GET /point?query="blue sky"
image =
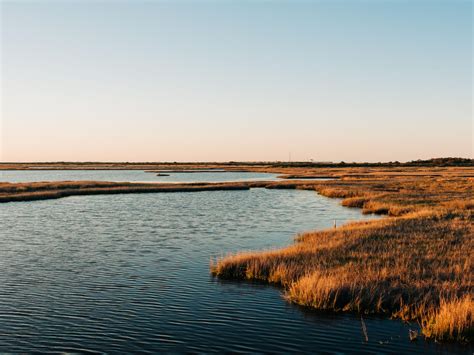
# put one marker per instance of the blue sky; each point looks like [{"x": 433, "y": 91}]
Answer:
[{"x": 236, "y": 80}]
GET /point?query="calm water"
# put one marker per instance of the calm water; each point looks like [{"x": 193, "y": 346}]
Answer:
[
  {"x": 129, "y": 273},
  {"x": 126, "y": 175}
]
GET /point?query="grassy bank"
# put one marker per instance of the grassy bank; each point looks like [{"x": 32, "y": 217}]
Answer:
[
  {"x": 15, "y": 192},
  {"x": 31, "y": 191},
  {"x": 415, "y": 265}
]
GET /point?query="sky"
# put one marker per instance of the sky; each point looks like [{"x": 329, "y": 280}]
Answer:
[{"x": 236, "y": 80}]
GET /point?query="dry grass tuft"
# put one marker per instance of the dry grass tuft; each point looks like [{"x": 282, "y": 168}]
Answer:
[{"x": 453, "y": 320}]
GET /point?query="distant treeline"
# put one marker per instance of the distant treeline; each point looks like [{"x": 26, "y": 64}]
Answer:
[{"x": 435, "y": 162}]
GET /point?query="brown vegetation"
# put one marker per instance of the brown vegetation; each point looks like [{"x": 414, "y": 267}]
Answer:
[
  {"x": 29, "y": 191},
  {"x": 13, "y": 192},
  {"x": 415, "y": 265}
]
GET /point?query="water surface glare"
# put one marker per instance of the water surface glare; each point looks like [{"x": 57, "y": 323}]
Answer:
[{"x": 130, "y": 273}]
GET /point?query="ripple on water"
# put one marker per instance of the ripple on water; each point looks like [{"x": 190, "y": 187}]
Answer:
[{"x": 129, "y": 273}]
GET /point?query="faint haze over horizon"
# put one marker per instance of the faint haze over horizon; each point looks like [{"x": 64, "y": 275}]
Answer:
[{"x": 242, "y": 80}]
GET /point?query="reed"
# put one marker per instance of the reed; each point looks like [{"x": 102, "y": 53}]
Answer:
[
  {"x": 415, "y": 265},
  {"x": 453, "y": 320}
]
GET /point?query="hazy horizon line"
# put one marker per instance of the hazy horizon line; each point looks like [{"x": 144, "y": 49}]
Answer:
[{"x": 224, "y": 161}]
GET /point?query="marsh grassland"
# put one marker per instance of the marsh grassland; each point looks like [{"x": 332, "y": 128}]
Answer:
[
  {"x": 30, "y": 191},
  {"x": 414, "y": 264}
]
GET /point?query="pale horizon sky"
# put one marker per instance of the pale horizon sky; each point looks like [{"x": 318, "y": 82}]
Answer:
[{"x": 359, "y": 80}]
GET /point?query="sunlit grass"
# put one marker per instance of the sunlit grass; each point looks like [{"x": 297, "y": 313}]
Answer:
[
  {"x": 415, "y": 265},
  {"x": 453, "y": 320}
]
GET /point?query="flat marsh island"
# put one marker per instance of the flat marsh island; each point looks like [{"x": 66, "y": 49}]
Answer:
[{"x": 415, "y": 264}]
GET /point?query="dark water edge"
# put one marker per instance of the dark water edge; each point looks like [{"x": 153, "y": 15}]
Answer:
[
  {"x": 343, "y": 331},
  {"x": 130, "y": 273}
]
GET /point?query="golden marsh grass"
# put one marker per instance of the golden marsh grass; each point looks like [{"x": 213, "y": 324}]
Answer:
[{"x": 415, "y": 265}]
